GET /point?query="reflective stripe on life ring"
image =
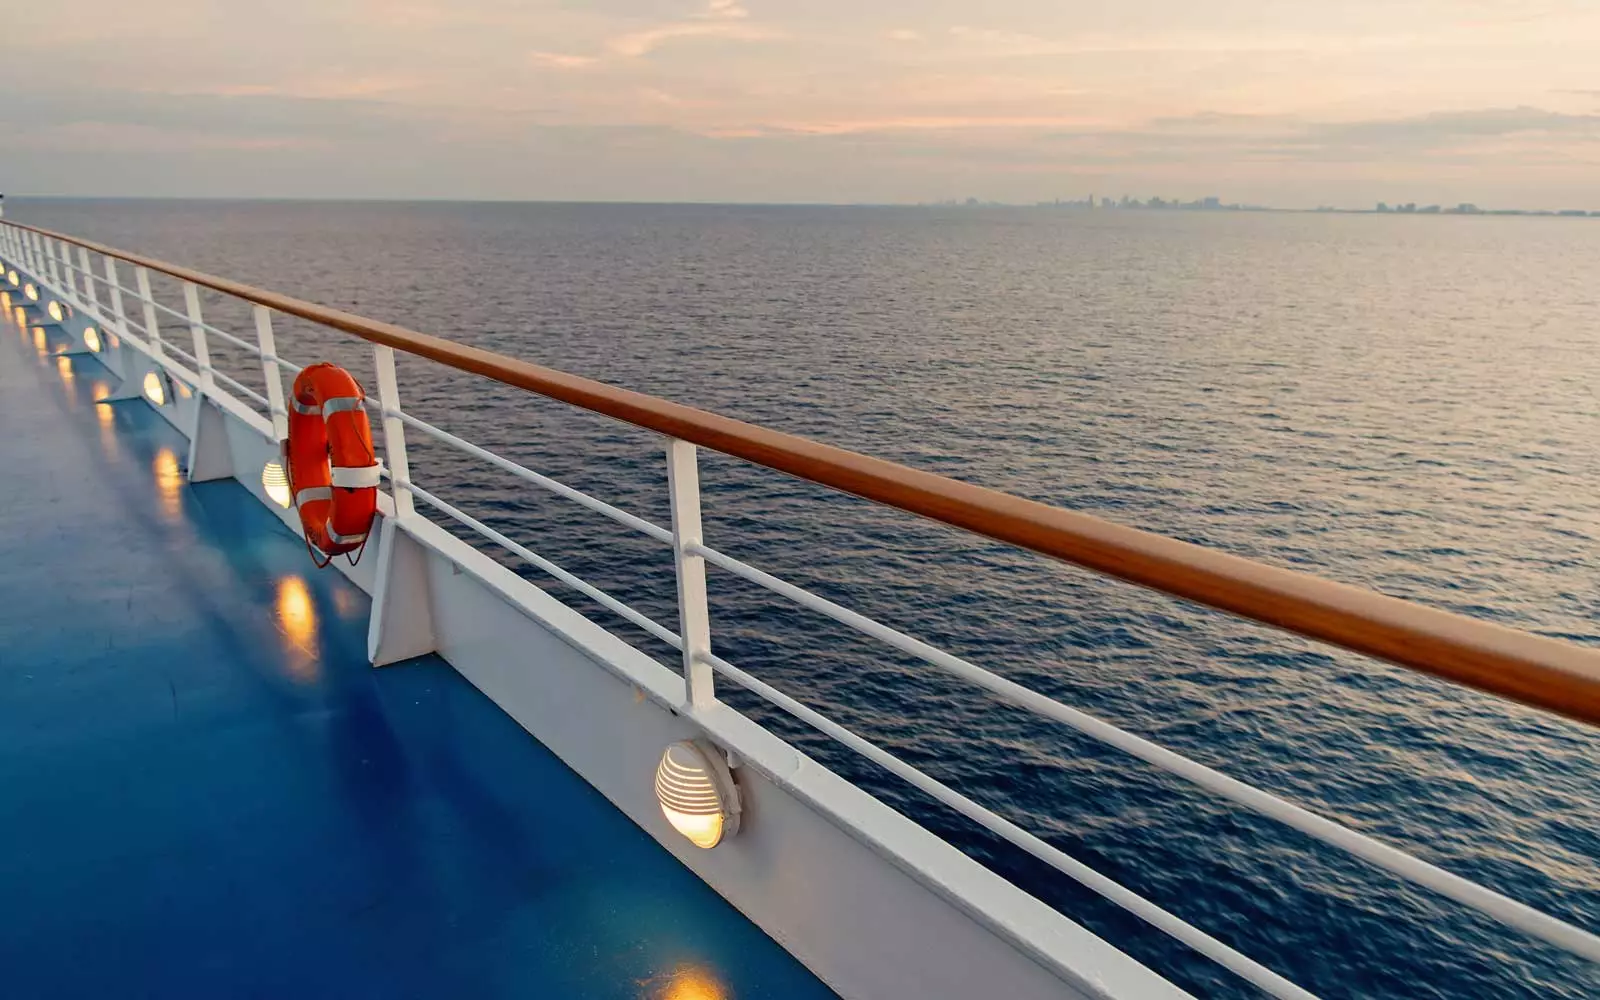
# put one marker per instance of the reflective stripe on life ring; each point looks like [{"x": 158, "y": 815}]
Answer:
[{"x": 333, "y": 471}]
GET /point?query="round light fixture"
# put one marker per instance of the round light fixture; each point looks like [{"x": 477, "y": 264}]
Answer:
[
  {"x": 55, "y": 311},
  {"x": 275, "y": 483},
  {"x": 11, "y": 276},
  {"x": 697, "y": 793},
  {"x": 31, "y": 292},
  {"x": 91, "y": 339},
  {"x": 154, "y": 391}
]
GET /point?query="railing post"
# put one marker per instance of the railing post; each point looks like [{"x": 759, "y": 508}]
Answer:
[
  {"x": 694, "y": 614},
  {"x": 152, "y": 328},
  {"x": 32, "y": 256},
  {"x": 50, "y": 262},
  {"x": 202, "y": 354},
  {"x": 74, "y": 291},
  {"x": 119, "y": 316},
  {"x": 92, "y": 292},
  {"x": 272, "y": 372},
  {"x": 394, "y": 433},
  {"x": 62, "y": 260}
]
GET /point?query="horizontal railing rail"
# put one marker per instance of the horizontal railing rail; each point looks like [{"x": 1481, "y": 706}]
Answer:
[{"x": 1545, "y": 672}]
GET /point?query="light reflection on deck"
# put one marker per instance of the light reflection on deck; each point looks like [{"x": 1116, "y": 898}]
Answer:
[
  {"x": 297, "y": 619},
  {"x": 169, "y": 481},
  {"x": 686, "y": 982}
]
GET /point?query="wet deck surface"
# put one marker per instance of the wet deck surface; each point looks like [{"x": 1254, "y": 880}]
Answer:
[{"x": 206, "y": 792}]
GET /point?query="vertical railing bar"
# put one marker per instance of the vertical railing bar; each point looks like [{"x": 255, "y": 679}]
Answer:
[
  {"x": 48, "y": 274},
  {"x": 394, "y": 433},
  {"x": 277, "y": 411},
  {"x": 152, "y": 329},
  {"x": 89, "y": 288},
  {"x": 117, "y": 312},
  {"x": 69, "y": 278},
  {"x": 694, "y": 613},
  {"x": 50, "y": 262},
  {"x": 202, "y": 352}
]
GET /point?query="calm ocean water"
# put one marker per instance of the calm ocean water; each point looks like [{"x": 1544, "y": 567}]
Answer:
[{"x": 1408, "y": 404}]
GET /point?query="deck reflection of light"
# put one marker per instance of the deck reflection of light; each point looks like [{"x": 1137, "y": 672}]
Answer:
[
  {"x": 64, "y": 366},
  {"x": 39, "y": 340},
  {"x": 169, "y": 480},
  {"x": 687, "y": 982},
  {"x": 298, "y": 617},
  {"x": 106, "y": 418}
]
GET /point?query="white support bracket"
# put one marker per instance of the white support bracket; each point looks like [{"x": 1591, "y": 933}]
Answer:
[
  {"x": 210, "y": 456},
  {"x": 401, "y": 626}
]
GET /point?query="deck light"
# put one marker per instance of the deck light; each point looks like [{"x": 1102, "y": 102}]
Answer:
[
  {"x": 91, "y": 339},
  {"x": 55, "y": 311},
  {"x": 275, "y": 483},
  {"x": 11, "y": 276},
  {"x": 154, "y": 390},
  {"x": 697, "y": 793},
  {"x": 31, "y": 292}
]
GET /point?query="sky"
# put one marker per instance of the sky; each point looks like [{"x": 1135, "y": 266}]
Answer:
[{"x": 1285, "y": 102}]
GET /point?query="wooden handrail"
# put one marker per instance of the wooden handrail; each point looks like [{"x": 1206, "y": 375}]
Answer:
[{"x": 1551, "y": 674}]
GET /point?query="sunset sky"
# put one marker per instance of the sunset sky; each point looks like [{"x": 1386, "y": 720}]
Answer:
[{"x": 1291, "y": 102}]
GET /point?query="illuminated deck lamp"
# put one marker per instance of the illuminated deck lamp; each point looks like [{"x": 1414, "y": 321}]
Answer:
[
  {"x": 57, "y": 311},
  {"x": 276, "y": 483},
  {"x": 11, "y": 276},
  {"x": 31, "y": 292},
  {"x": 91, "y": 339},
  {"x": 697, "y": 793},
  {"x": 155, "y": 388}
]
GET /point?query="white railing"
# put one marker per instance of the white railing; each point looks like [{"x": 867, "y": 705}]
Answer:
[{"x": 700, "y": 665}]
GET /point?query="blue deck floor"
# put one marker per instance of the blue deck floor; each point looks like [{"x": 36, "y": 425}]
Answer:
[{"x": 206, "y": 792}]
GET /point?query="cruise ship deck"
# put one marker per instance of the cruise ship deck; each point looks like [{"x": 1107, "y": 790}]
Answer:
[{"x": 205, "y": 790}]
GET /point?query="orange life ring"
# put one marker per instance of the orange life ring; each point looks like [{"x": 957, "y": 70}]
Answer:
[{"x": 327, "y": 420}]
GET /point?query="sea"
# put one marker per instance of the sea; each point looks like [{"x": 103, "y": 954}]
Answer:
[{"x": 1405, "y": 403}]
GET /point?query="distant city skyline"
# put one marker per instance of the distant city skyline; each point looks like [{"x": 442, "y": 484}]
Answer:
[
  {"x": 806, "y": 100},
  {"x": 1215, "y": 203}
]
